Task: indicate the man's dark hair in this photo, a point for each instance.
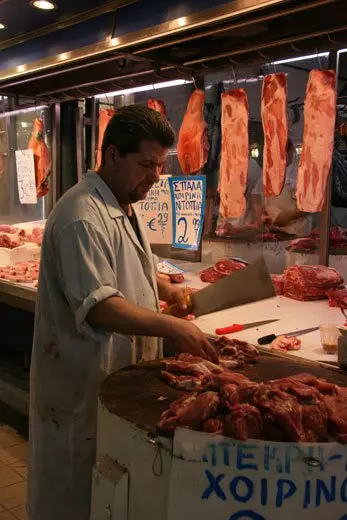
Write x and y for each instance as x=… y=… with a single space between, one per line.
x=133 y=124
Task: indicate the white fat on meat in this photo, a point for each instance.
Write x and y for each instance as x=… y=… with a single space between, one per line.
x=275 y=126
x=318 y=140
x=234 y=156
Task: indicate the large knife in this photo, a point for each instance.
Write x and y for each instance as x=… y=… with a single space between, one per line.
x=251 y=284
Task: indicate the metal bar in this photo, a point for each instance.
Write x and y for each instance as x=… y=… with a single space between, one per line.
x=79 y=141
x=94 y=131
x=56 y=152
x=269 y=45
x=204 y=18
x=93 y=83
x=64 y=23
x=325 y=215
x=11 y=123
x=238 y=25
x=66 y=70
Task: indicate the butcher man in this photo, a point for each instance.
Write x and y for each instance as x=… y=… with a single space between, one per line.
x=97 y=310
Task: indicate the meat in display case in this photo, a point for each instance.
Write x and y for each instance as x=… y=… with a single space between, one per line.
x=25 y=198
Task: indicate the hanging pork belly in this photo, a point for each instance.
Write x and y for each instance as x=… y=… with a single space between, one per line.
x=275 y=126
x=193 y=146
x=157 y=105
x=234 y=156
x=42 y=159
x=105 y=117
x=318 y=141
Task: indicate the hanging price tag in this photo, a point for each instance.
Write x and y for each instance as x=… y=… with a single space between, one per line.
x=188 y=203
x=156 y=212
x=26 y=176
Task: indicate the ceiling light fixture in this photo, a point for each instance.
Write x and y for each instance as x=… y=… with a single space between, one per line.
x=22 y=111
x=301 y=58
x=46 y=5
x=145 y=88
x=2 y=26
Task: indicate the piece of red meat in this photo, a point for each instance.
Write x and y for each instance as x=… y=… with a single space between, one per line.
x=210 y=275
x=303 y=244
x=278 y=283
x=214 y=426
x=217 y=381
x=285 y=344
x=244 y=422
x=337 y=413
x=176 y=278
x=337 y=298
x=315 y=422
x=187 y=383
x=310 y=282
x=227 y=267
x=229 y=395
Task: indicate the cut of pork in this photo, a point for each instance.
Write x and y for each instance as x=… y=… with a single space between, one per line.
x=275 y=126
x=318 y=140
x=193 y=146
x=234 y=157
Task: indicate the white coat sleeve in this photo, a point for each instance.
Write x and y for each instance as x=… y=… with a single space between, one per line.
x=85 y=270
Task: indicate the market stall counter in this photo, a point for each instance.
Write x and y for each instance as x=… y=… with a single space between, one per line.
x=144 y=473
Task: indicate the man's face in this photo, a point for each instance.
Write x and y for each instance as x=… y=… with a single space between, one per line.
x=131 y=177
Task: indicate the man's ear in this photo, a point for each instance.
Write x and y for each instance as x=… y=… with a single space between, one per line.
x=112 y=155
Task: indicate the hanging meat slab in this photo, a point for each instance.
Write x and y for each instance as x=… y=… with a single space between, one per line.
x=234 y=157
x=105 y=117
x=275 y=126
x=157 y=105
x=318 y=140
x=42 y=159
x=193 y=146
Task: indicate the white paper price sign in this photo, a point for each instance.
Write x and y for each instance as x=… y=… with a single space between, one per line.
x=188 y=203
x=26 y=176
x=223 y=479
x=156 y=212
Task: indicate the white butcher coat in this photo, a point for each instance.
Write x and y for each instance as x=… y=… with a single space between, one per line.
x=90 y=252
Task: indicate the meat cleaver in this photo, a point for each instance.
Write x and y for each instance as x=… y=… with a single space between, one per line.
x=251 y=284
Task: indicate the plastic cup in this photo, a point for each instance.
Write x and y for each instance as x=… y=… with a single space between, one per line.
x=329 y=335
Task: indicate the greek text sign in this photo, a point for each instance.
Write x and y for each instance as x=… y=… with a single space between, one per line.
x=219 y=478
x=188 y=205
x=156 y=212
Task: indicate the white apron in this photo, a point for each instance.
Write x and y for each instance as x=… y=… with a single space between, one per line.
x=90 y=252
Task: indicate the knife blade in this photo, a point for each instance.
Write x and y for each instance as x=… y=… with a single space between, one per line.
x=251 y=284
x=238 y=328
x=266 y=340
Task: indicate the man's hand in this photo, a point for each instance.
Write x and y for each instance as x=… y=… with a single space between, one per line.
x=174 y=295
x=188 y=338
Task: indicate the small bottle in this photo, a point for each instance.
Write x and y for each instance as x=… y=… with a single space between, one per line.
x=342 y=347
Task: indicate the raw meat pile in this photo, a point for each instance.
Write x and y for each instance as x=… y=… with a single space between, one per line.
x=24 y=272
x=42 y=159
x=225 y=228
x=337 y=238
x=157 y=105
x=275 y=125
x=193 y=146
x=337 y=298
x=300 y=408
x=278 y=283
x=11 y=237
x=221 y=269
x=234 y=157
x=194 y=373
x=310 y=282
x=318 y=140
x=285 y=344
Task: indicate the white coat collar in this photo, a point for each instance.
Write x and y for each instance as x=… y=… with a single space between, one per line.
x=111 y=203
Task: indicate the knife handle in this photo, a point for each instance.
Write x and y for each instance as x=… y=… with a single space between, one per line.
x=175 y=310
x=230 y=329
x=266 y=340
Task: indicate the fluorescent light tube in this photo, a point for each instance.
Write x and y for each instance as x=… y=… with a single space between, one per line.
x=22 y=111
x=145 y=88
x=301 y=58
